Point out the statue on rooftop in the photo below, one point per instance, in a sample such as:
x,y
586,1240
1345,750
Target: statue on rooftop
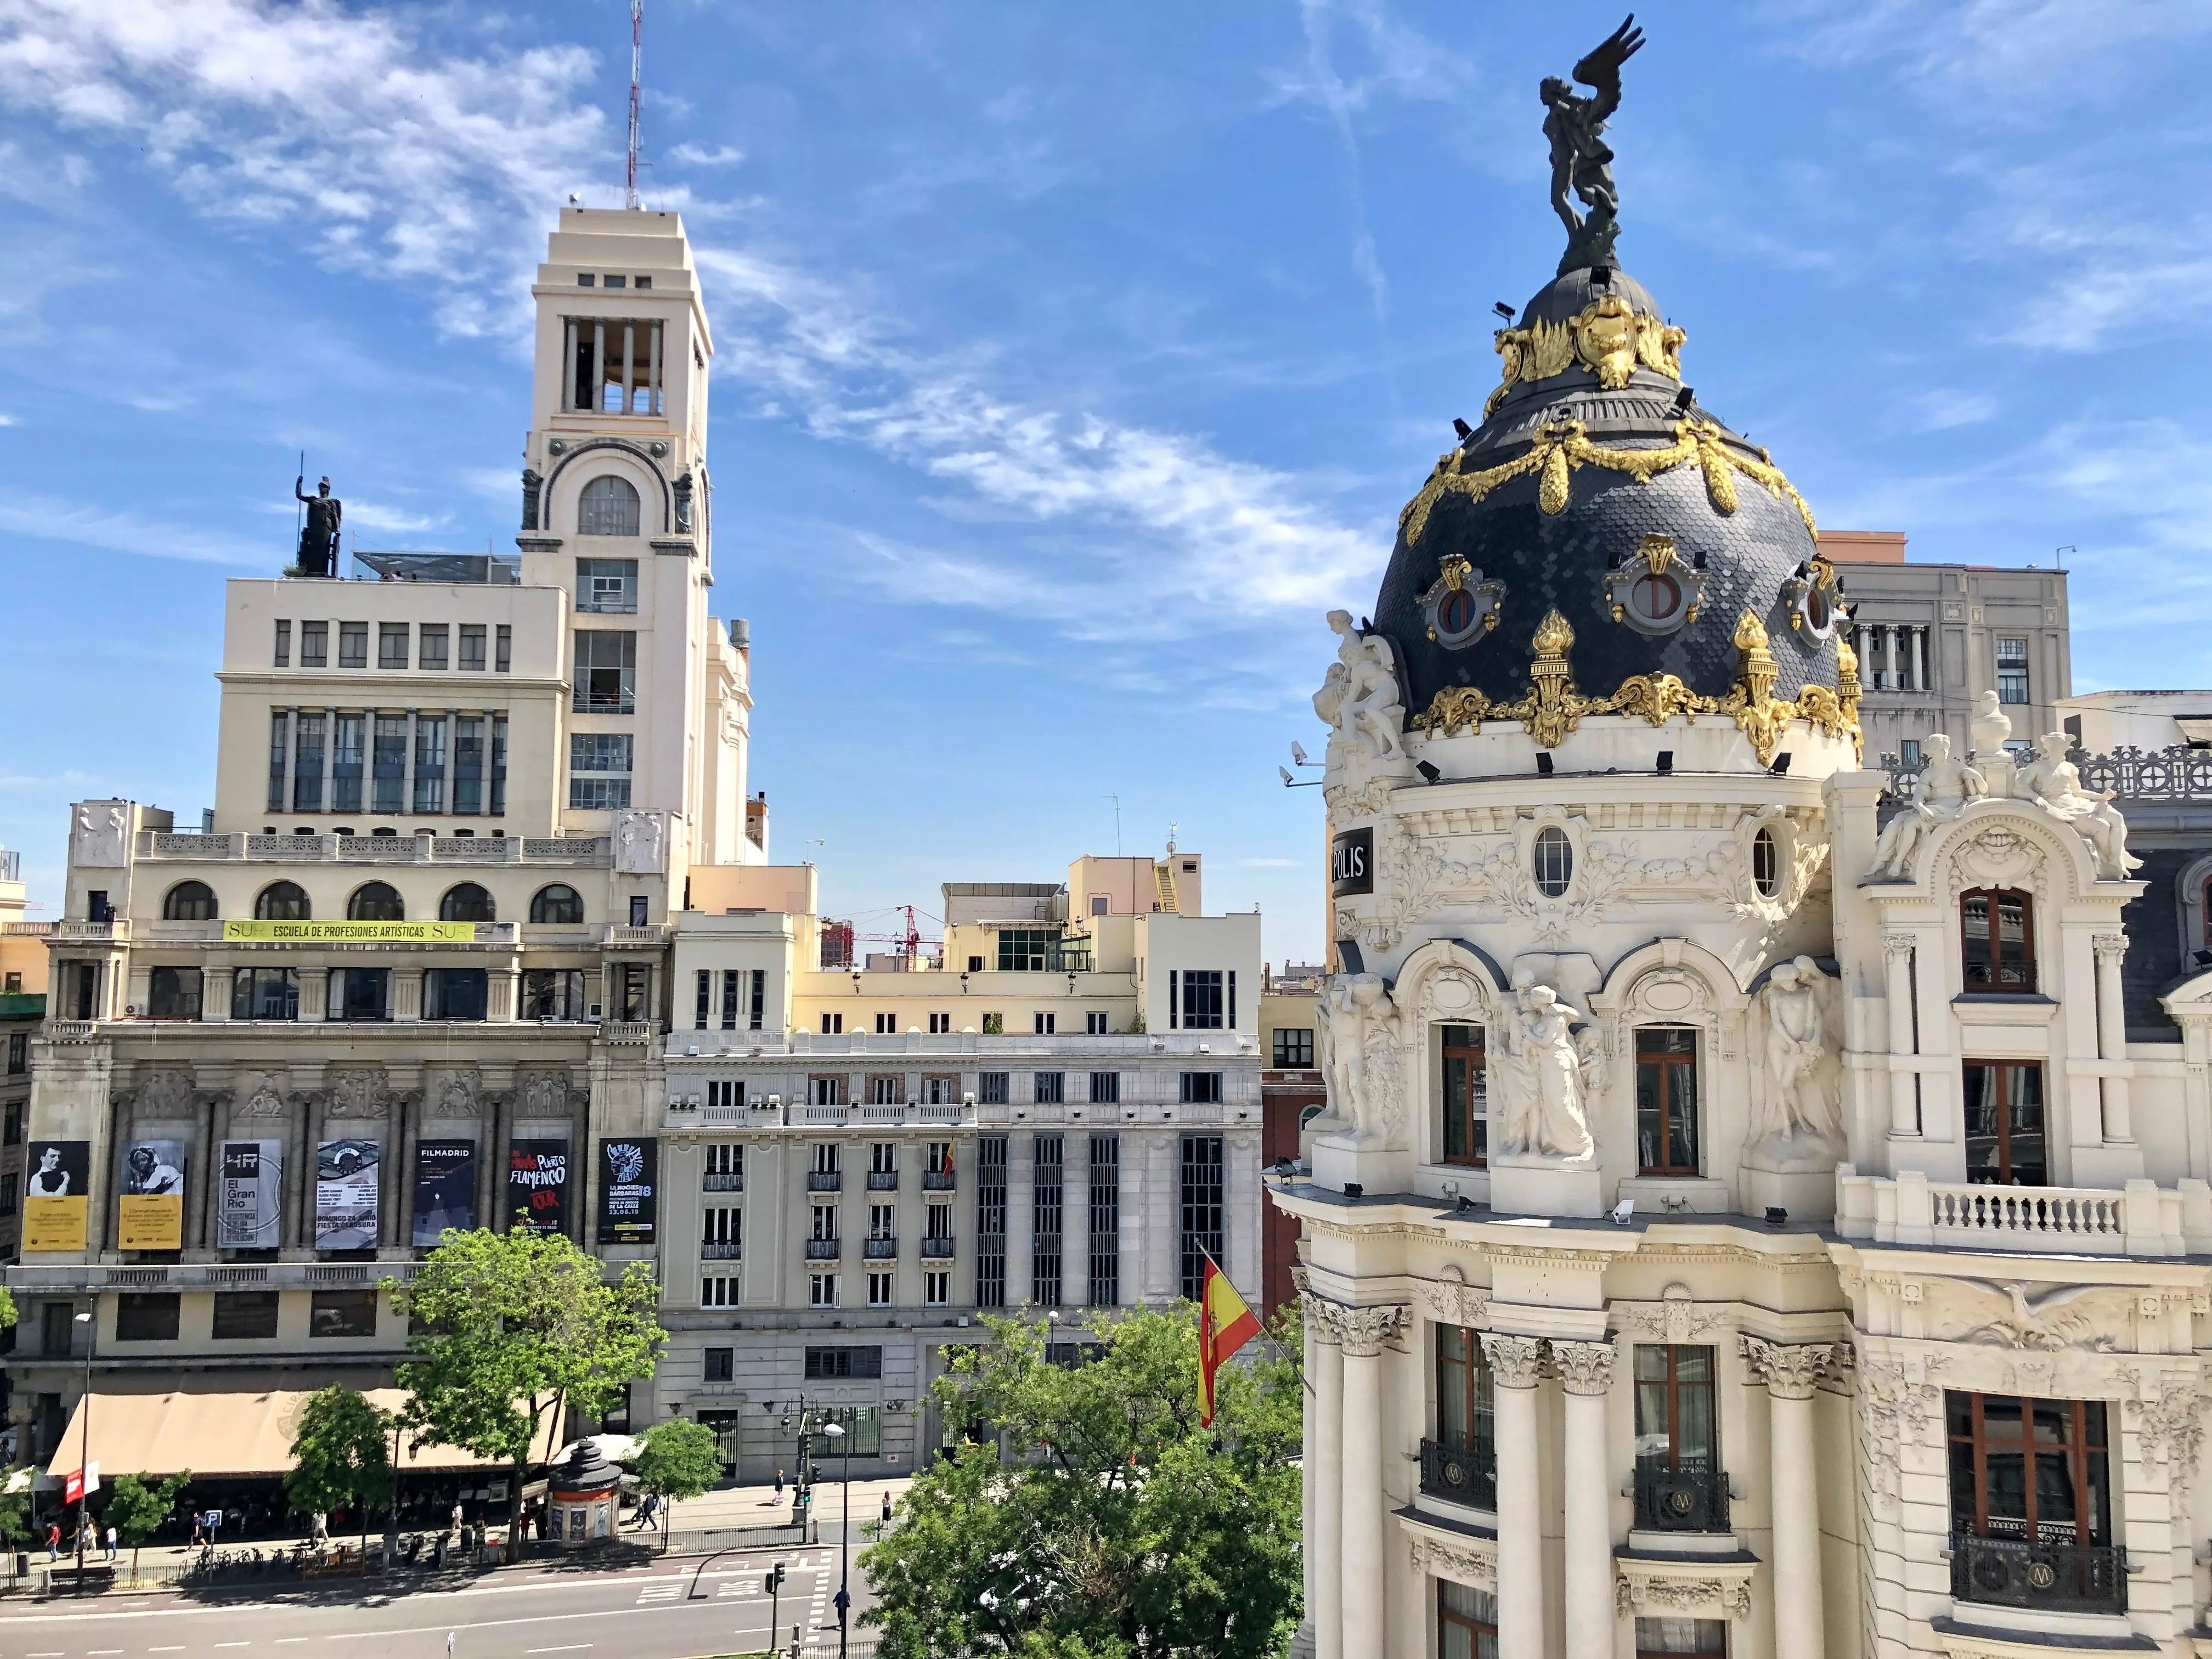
x,y
318,537
1581,162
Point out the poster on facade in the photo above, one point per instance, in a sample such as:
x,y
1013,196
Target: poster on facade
x,y
445,1188
345,1194
629,1190
250,1209
537,1186
54,1194
150,1211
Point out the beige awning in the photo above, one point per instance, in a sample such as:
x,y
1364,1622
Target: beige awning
x,y
225,1435
2196,729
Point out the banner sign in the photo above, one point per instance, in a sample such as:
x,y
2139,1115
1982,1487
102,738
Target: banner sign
x,y
81,1483
149,1211
250,1211
430,932
537,1186
1351,863
445,1188
54,1194
345,1194
629,1190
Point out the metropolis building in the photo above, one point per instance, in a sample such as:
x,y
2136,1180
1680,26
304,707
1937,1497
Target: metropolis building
x,y
1760,1210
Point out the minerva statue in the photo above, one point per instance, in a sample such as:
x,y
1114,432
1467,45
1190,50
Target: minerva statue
x,y
1582,162
318,537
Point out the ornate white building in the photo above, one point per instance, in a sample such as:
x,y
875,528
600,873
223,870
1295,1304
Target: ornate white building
x,y
1742,1224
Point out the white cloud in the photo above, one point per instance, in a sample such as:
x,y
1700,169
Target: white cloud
x,y
382,154
125,533
1942,408
722,156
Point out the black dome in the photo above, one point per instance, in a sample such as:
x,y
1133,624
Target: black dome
x,y
1731,516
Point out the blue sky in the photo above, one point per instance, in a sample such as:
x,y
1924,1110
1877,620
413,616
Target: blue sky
x,y
1073,360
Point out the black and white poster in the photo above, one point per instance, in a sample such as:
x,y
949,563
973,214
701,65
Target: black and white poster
x,y
629,1190
345,1194
250,1211
445,1188
537,1186
55,1195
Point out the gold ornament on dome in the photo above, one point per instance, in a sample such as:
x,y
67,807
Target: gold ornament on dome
x,y
1608,337
1605,340
1560,447
1554,708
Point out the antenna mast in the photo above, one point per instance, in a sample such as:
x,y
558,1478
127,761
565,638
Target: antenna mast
x,y
637,65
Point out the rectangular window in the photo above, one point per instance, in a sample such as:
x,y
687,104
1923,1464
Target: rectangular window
x,y
828,1090
727,1094
1466,1402
342,1313
244,1315
430,763
832,1025
1667,1100
721,1233
885,1090
1908,754
1199,1218
599,770
718,1291
936,1288
633,982
147,1316
995,1025
431,653
353,644
553,993
2035,1471
1655,1638
937,1223
1105,1220
1680,1487
498,764
19,1061
1467,1621
283,645
1466,1095
468,764
388,765
759,1000
1023,949
265,993
472,647
503,653
880,1289
606,673
991,1220
940,1091
1996,931
1047,1207
882,1223
347,732
1293,1047
280,743
992,1088
882,1160
174,993
725,1159
886,1025
720,1366
360,994
824,1223
941,1025
1201,1089
1051,1088
730,980
1202,999
391,645
314,645
2006,1145
1045,1025
606,586
1094,1023
1105,1088
822,1291
2012,670
455,993
307,765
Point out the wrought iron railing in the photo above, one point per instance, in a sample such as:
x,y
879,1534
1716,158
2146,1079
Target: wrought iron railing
x,y
2012,1572
1681,1500
2132,774
882,1181
824,1181
1459,1475
823,1249
881,1250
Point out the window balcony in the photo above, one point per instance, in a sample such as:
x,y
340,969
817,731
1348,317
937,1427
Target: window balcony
x,y
823,1250
825,1180
725,1180
2012,1572
2138,1220
936,1249
1681,1500
882,1181
1458,1474
937,1180
727,1249
881,1250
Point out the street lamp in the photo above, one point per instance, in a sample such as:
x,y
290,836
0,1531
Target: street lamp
x,y
844,1534
84,1444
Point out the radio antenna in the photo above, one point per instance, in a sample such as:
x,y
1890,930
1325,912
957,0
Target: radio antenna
x,y
637,65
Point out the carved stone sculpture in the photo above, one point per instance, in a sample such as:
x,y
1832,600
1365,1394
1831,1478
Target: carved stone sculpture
x,y
1357,1013
1801,1113
1547,1115
1791,1372
1359,697
1941,793
641,843
1991,728
1582,162
99,835
2052,783
319,536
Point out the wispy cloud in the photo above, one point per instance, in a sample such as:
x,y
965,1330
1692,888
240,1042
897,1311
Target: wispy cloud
x,y
59,520
697,155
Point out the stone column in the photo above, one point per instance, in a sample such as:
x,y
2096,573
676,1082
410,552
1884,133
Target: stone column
x,y
1515,1364
1325,1472
1586,1372
1365,1332
2112,1034
1792,1376
1903,1097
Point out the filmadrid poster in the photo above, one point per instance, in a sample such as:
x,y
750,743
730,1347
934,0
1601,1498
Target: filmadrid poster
x,y
445,1188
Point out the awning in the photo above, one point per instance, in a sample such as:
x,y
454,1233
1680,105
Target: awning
x,y
2196,729
226,1436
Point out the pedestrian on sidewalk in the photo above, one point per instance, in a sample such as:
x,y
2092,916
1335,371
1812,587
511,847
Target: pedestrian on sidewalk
x,y
887,1509
111,1541
53,1541
457,1516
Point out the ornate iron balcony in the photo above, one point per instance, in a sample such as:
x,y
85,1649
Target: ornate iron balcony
x,y
2012,1572
882,1181
822,1249
1459,1475
1681,1500
937,1180
881,1250
825,1180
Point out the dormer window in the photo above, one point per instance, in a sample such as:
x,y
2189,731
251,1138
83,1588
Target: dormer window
x,y
1998,937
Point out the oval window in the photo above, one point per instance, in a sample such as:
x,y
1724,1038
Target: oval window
x,y
1555,862
1765,864
1455,612
1816,608
1656,599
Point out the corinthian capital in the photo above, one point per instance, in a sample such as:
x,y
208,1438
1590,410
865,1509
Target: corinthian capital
x,y
1515,1361
1367,1331
1789,1372
1584,1367
1897,944
2109,947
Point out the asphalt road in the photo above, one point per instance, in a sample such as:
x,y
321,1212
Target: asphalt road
x,y
647,1613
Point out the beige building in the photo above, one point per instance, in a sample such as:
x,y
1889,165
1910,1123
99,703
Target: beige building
x,y
22,1007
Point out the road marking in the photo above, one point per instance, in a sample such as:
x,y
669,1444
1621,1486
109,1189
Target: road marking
x,y
180,1648
233,1644
667,1592
573,1647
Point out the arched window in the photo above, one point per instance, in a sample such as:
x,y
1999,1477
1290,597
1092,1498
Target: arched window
x,y
467,902
1554,861
1765,864
557,904
1997,933
282,901
608,506
375,902
189,901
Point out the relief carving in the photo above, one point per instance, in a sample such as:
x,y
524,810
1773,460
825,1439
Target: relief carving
x,y
1453,1300
262,1097
360,1093
1432,1555
456,1093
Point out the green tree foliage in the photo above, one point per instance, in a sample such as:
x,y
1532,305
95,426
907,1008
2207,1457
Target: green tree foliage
x,y
1112,1527
341,1454
14,1516
512,1330
677,1459
7,1309
137,1507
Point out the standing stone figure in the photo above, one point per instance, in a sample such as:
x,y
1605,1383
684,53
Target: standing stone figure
x,y
1582,162
1549,1119
318,537
1798,1051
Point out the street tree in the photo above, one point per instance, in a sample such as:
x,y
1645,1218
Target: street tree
x,y
677,1459
342,1455
7,1309
1112,1526
138,1506
512,1332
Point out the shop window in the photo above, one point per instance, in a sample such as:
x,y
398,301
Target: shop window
x,y
244,1315
342,1313
1997,930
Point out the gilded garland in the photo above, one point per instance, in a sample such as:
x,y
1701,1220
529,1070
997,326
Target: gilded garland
x,y
1554,708
1562,446
1609,338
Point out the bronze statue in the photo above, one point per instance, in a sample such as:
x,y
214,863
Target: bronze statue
x,y
318,538
1581,162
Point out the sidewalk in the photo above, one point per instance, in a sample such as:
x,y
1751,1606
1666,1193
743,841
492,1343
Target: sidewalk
x,y
735,1506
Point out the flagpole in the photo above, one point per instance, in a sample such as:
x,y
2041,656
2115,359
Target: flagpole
x,y
1289,1359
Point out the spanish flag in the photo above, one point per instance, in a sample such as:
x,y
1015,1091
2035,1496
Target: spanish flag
x,y
1224,1325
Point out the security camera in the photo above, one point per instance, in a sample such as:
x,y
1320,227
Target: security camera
x,y
1624,1212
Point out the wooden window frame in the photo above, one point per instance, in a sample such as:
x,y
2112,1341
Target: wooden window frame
x,y
1675,1388
2029,978
1665,1064
1464,1378
1999,1067
2078,1451
1475,1128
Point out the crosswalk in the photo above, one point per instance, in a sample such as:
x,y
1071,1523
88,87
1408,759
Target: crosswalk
x,y
742,1582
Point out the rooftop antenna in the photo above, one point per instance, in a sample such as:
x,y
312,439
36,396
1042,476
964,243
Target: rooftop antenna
x,y
636,66
1116,799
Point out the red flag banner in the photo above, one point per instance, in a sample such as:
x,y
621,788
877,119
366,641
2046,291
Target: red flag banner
x,y
1224,1325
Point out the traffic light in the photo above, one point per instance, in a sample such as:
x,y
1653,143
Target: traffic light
x,y
775,1578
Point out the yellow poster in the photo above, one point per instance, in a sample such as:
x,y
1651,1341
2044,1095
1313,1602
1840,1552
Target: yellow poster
x,y
149,1224
425,932
54,1194
53,1224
